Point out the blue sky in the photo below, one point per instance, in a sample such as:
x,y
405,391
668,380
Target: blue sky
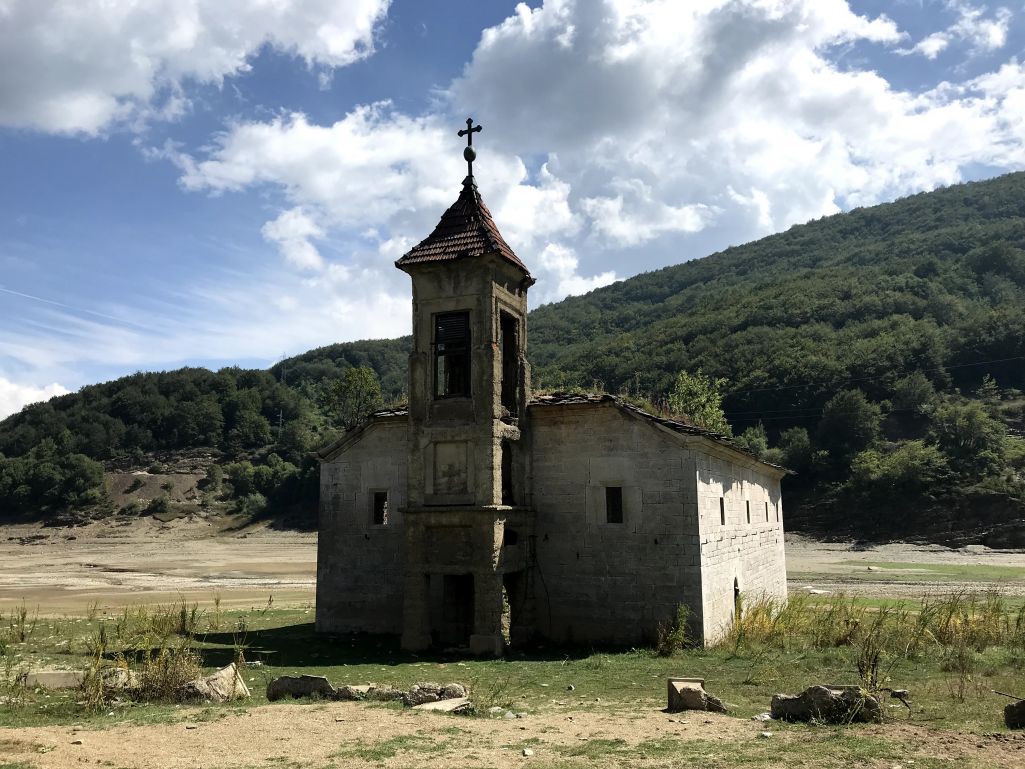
x,y
217,182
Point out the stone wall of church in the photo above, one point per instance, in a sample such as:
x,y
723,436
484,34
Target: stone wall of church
x,y
611,582
359,563
741,529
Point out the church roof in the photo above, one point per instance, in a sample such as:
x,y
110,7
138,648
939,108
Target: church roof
x,y
570,399
465,229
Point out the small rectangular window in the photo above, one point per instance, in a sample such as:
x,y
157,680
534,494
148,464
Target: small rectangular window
x,y
766,512
722,511
749,511
452,354
777,513
380,508
613,504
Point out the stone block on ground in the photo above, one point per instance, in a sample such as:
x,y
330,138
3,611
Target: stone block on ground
x,y
690,694
1014,715
223,685
384,693
52,679
828,704
431,692
348,692
298,687
453,705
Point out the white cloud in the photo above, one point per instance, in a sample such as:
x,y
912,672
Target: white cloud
x,y
634,216
292,232
559,277
78,67
656,121
14,397
979,32
620,135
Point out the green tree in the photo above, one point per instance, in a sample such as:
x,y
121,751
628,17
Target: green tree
x,y
849,424
355,396
699,399
754,440
913,468
971,439
914,394
795,443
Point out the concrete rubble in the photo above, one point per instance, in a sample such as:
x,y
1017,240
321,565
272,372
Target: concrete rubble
x,y
690,694
419,694
828,704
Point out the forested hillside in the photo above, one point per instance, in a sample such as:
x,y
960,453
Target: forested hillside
x,y
880,353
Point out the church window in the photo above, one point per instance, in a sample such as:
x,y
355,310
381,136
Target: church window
x,y
452,354
379,501
509,328
722,511
749,511
613,504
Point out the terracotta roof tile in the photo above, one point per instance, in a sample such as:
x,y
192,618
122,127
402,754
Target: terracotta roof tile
x,y
465,229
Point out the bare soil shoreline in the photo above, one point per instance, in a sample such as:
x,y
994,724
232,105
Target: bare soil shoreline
x,y
110,564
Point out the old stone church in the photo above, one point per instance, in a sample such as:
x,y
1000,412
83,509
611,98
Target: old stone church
x,y
484,515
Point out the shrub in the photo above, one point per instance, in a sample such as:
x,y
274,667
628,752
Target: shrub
x,y
159,505
251,504
673,636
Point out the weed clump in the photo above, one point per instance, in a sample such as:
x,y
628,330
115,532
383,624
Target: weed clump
x,y
673,636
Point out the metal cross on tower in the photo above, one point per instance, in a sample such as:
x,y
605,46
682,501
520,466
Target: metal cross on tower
x,y
469,154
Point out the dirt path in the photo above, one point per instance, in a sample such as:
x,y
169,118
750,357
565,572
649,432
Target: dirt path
x,y
352,734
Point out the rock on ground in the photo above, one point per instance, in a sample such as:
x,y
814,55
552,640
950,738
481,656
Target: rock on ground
x,y
454,705
52,679
300,686
1014,715
224,685
828,704
690,694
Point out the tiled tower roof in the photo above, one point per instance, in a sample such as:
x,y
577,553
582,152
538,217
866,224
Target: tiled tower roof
x,y
466,229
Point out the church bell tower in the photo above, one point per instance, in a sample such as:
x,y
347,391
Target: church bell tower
x,y
468,519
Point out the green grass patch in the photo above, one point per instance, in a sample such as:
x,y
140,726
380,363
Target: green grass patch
x,y
420,743
950,571
948,652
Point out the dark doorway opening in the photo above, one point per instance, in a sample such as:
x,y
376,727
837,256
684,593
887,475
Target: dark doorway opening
x,y
510,363
451,597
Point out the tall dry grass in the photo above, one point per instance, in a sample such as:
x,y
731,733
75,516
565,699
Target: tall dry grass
x,y
956,628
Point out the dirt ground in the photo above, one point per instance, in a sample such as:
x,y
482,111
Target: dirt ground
x,y
113,564
843,567
354,734
109,565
